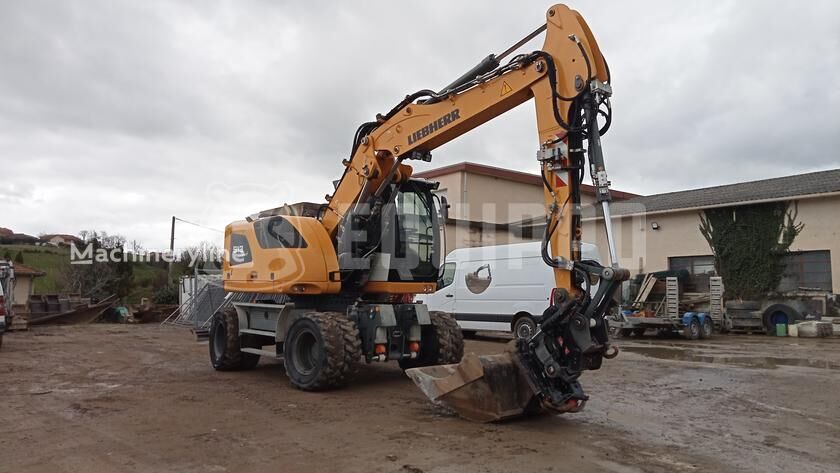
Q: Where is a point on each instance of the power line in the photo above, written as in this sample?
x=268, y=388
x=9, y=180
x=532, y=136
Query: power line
x=199, y=225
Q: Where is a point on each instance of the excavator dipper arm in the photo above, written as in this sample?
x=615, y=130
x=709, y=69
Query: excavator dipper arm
x=568, y=79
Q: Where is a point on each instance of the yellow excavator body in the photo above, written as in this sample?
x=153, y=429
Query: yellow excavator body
x=375, y=243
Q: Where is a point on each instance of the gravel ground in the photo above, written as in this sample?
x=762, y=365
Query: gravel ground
x=144, y=399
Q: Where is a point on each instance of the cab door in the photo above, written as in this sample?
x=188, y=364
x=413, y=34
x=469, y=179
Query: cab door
x=444, y=298
x=447, y=290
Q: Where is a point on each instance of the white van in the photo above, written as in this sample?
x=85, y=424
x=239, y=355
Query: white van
x=497, y=288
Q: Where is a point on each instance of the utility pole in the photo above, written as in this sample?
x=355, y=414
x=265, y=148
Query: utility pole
x=171, y=250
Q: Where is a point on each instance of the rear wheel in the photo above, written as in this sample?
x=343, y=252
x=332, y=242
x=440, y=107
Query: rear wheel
x=707, y=329
x=692, y=330
x=525, y=327
x=639, y=332
x=442, y=343
x=321, y=351
x=224, y=344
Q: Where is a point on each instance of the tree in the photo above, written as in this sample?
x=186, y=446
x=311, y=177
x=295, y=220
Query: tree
x=205, y=255
x=102, y=278
x=7, y=256
x=19, y=257
x=749, y=243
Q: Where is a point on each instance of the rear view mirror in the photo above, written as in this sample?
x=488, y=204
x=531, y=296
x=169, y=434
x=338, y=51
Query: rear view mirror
x=444, y=208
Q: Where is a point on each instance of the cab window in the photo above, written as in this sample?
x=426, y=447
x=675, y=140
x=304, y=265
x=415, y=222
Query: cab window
x=277, y=232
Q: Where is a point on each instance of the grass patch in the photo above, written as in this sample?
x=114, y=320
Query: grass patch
x=52, y=260
x=146, y=278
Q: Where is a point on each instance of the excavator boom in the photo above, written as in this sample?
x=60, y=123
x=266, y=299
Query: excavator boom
x=569, y=82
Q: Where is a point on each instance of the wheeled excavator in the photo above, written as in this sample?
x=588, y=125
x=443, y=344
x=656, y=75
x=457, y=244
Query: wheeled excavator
x=325, y=286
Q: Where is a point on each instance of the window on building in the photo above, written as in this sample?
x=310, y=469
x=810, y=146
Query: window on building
x=811, y=269
x=527, y=232
x=699, y=268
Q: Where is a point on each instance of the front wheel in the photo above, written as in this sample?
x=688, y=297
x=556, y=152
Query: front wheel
x=321, y=351
x=441, y=343
x=225, y=354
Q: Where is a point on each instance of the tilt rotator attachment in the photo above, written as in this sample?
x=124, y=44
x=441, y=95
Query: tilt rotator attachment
x=539, y=374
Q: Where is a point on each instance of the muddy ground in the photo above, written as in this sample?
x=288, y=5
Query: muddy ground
x=143, y=398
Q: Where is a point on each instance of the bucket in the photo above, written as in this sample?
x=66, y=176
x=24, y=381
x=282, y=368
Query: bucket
x=781, y=330
x=793, y=331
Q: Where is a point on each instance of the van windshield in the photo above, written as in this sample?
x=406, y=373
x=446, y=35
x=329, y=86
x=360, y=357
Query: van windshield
x=447, y=275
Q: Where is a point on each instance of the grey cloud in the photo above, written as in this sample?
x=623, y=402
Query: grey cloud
x=118, y=115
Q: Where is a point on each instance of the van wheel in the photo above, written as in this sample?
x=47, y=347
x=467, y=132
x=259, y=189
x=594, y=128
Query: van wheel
x=224, y=344
x=441, y=343
x=524, y=328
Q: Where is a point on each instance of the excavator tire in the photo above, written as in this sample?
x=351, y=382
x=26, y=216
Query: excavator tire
x=224, y=344
x=442, y=343
x=321, y=351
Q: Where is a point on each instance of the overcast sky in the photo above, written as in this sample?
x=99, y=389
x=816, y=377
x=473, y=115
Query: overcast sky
x=116, y=115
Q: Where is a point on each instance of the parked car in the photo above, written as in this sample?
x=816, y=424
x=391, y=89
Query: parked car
x=497, y=288
x=7, y=275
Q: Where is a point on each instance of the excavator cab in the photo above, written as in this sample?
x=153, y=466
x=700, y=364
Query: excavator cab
x=394, y=246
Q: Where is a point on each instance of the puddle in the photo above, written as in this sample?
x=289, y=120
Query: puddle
x=678, y=354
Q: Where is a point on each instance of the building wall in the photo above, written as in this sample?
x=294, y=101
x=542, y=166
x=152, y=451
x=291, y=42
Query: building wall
x=494, y=200
x=821, y=232
x=481, y=206
x=23, y=289
x=642, y=249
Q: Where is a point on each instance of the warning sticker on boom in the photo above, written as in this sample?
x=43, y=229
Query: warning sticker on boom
x=506, y=89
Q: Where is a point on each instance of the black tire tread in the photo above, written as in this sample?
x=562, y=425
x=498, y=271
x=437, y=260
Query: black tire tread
x=687, y=332
x=707, y=323
x=342, y=347
x=449, y=337
x=232, y=359
x=448, y=341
